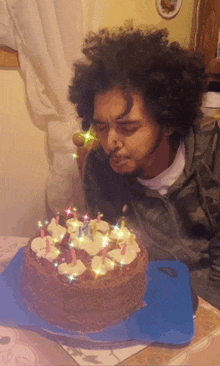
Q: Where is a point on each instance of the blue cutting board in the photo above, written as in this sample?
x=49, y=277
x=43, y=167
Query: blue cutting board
x=167, y=317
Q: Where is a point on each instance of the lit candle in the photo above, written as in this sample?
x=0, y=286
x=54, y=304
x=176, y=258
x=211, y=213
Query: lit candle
x=74, y=213
x=73, y=252
x=47, y=246
x=42, y=233
x=123, y=249
x=104, y=253
x=122, y=223
x=86, y=225
x=98, y=217
x=57, y=219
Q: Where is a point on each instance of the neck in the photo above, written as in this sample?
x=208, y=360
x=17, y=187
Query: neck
x=159, y=160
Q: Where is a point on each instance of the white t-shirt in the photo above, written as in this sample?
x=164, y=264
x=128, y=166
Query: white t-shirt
x=164, y=180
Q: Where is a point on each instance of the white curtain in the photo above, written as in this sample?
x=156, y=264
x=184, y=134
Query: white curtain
x=48, y=35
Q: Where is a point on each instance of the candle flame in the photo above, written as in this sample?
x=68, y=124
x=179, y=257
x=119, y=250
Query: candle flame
x=72, y=277
x=68, y=211
x=97, y=271
x=116, y=228
x=120, y=234
x=105, y=241
x=75, y=156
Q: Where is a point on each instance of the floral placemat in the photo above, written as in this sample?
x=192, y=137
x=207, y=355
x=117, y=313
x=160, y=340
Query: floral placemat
x=204, y=351
x=107, y=357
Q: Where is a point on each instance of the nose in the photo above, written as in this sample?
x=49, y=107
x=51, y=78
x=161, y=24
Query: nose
x=113, y=140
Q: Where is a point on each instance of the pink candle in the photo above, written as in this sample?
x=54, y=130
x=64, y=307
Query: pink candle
x=98, y=217
x=42, y=233
x=57, y=219
x=123, y=249
x=74, y=261
x=74, y=213
x=47, y=246
x=104, y=253
x=122, y=223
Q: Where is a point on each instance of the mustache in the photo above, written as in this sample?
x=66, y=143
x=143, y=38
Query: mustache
x=113, y=155
x=113, y=152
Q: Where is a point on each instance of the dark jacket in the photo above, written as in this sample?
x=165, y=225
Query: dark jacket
x=183, y=224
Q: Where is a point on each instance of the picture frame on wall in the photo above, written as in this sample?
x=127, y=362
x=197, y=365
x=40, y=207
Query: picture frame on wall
x=168, y=9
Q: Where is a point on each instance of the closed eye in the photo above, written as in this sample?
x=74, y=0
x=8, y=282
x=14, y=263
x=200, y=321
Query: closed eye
x=128, y=127
x=100, y=126
x=124, y=127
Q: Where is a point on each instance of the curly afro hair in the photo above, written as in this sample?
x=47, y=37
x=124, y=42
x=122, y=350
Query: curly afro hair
x=171, y=79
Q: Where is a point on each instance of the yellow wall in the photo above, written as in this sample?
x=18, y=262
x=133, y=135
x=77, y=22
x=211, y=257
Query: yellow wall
x=110, y=13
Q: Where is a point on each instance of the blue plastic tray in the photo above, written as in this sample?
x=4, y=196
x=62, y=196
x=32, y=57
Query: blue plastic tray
x=167, y=318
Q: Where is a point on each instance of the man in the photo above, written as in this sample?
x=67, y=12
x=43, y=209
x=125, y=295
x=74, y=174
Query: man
x=158, y=159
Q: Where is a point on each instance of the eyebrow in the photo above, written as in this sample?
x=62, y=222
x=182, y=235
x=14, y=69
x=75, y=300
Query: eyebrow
x=117, y=121
x=128, y=121
x=97, y=121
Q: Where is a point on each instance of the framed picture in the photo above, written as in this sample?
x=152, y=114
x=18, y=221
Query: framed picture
x=168, y=8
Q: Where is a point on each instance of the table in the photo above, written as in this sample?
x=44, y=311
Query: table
x=22, y=347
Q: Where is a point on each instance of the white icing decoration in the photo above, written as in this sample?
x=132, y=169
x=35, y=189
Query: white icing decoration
x=38, y=243
x=102, y=226
x=130, y=244
x=127, y=258
x=51, y=255
x=114, y=234
x=85, y=243
x=101, y=240
x=71, y=269
x=101, y=268
x=73, y=226
x=74, y=237
x=119, y=234
x=57, y=231
x=122, y=236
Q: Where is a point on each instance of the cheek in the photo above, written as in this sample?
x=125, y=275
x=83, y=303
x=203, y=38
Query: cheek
x=102, y=139
x=141, y=144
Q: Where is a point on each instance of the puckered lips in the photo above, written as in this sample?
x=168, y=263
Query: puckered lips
x=117, y=160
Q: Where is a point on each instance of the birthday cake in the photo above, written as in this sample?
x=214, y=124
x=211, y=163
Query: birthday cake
x=84, y=276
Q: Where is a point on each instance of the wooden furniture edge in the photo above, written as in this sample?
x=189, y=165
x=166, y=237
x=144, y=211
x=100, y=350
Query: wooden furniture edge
x=8, y=58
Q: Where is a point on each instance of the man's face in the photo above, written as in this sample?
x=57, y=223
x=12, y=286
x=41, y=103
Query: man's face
x=131, y=141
